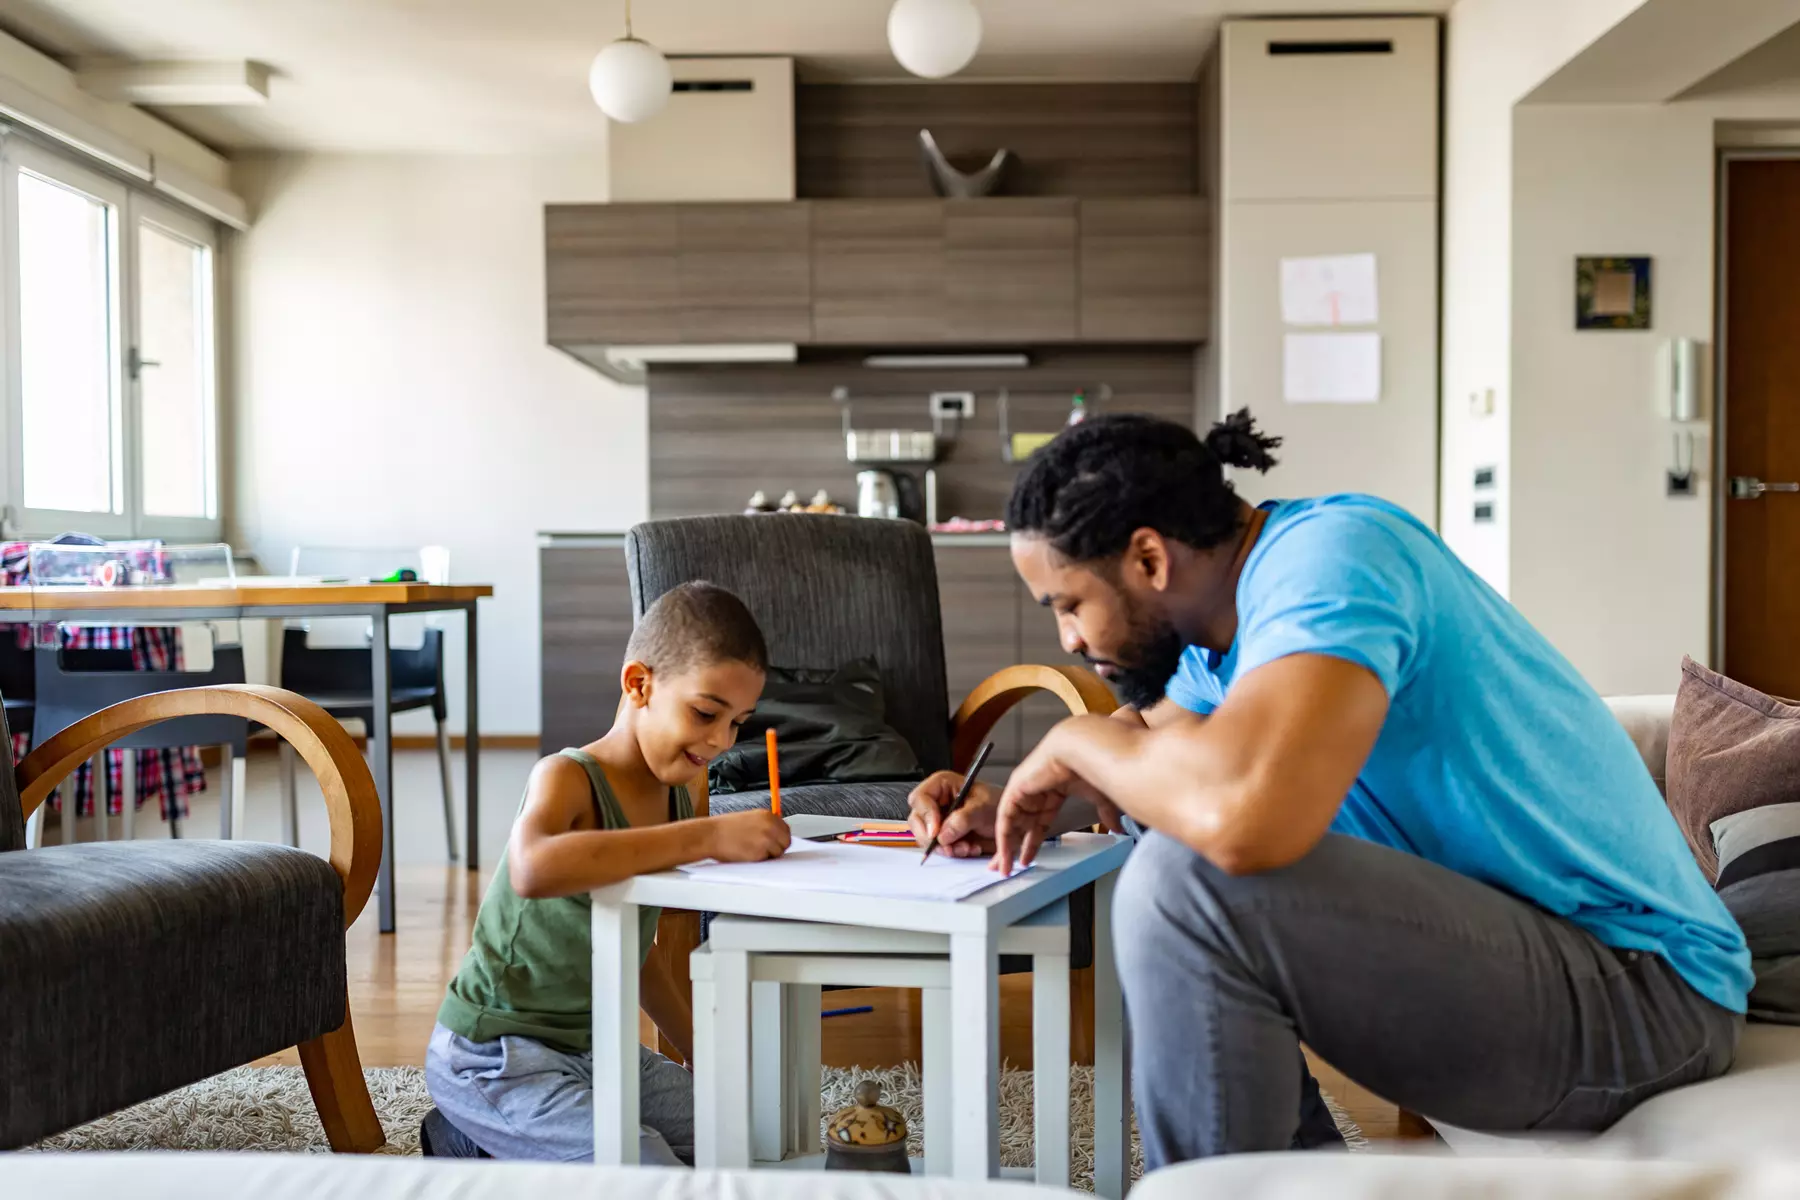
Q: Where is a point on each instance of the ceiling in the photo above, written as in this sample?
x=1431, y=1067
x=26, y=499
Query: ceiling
x=510, y=76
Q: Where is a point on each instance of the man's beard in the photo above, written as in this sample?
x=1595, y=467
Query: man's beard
x=1146, y=662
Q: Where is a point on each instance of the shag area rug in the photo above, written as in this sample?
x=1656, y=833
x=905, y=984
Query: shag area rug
x=269, y=1108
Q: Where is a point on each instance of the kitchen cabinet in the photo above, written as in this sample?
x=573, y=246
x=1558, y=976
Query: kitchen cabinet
x=610, y=271
x=878, y=272
x=1009, y=270
x=997, y=271
x=1039, y=642
x=585, y=623
x=978, y=596
x=744, y=272
x=1144, y=269
x=624, y=274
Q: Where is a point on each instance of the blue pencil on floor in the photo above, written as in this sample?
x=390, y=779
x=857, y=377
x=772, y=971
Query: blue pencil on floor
x=847, y=1012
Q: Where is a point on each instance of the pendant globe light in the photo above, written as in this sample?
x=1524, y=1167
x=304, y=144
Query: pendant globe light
x=934, y=38
x=630, y=79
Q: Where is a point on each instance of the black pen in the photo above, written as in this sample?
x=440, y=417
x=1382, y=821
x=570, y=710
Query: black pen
x=962, y=796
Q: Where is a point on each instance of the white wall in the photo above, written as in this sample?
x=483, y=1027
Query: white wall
x=1612, y=569
x=392, y=386
x=1495, y=52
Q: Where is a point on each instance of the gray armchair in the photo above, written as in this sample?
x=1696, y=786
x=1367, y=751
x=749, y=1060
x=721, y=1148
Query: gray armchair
x=131, y=968
x=827, y=590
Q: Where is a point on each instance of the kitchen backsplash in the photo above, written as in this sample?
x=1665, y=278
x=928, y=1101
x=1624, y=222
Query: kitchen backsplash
x=719, y=433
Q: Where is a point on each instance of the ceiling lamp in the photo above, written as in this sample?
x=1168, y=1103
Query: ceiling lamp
x=934, y=38
x=630, y=79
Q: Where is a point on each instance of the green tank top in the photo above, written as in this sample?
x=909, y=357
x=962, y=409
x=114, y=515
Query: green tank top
x=529, y=971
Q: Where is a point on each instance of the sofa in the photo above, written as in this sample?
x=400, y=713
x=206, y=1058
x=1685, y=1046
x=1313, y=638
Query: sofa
x=1751, y=1110
x=1241, y=1177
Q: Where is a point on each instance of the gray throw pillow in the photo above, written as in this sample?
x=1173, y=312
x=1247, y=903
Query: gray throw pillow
x=1767, y=908
x=1743, y=831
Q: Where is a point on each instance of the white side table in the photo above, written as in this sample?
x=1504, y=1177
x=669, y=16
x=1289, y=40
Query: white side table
x=972, y=925
x=765, y=1028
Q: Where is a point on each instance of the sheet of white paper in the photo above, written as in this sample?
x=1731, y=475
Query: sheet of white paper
x=1331, y=368
x=1337, y=289
x=858, y=871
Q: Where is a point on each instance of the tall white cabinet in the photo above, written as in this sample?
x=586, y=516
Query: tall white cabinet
x=1329, y=145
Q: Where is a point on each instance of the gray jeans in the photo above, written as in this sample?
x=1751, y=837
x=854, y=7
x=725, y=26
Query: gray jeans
x=1444, y=995
x=519, y=1098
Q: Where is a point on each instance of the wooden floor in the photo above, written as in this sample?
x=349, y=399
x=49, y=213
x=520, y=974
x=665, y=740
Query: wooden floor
x=396, y=983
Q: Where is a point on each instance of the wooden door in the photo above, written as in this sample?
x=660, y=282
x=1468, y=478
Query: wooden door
x=745, y=272
x=1010, y=270
x=610, y=274
x=1762, y=425
x=976, y=590
x=1144, y=274
x=878, y=272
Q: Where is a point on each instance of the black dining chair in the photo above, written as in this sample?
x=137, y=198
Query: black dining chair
x=340, y=680
x=74, y=683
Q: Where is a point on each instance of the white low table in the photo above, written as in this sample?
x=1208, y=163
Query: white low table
x=764, y=1028
x=972, y=925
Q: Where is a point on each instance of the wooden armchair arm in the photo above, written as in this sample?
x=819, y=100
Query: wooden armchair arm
x=343, y=776
x=1079, y=688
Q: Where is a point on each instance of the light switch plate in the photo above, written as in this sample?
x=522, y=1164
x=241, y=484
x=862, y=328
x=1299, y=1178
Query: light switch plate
x=953, y=404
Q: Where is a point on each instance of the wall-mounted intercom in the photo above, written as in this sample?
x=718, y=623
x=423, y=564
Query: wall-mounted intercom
x=1678, y=380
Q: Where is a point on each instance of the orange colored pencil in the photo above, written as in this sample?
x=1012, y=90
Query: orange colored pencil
x=774, y=775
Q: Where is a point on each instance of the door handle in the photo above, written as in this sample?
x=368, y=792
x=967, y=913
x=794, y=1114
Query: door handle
x=1749, y=487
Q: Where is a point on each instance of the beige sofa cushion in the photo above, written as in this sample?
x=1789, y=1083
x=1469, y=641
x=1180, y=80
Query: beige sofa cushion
x=1426, y=1176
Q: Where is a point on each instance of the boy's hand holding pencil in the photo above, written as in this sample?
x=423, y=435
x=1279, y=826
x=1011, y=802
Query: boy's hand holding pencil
x=746, y=836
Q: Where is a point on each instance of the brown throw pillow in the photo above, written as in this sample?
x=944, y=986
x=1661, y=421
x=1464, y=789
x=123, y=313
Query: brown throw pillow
x=1731, y=748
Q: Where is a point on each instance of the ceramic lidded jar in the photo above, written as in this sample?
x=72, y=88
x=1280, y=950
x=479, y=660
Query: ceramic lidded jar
x=867, y=1136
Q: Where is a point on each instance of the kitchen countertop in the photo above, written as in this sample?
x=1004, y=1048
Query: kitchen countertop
x=608, y=540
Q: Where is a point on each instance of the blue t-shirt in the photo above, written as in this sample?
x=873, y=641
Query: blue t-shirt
x=1496, y=759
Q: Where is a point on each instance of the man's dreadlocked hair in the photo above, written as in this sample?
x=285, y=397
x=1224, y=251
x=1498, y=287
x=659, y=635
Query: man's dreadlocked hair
x=1100, y=481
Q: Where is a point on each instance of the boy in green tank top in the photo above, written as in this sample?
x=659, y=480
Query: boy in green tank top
x=510, y=1064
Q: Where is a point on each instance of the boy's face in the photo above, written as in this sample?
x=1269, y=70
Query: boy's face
x=686, y=720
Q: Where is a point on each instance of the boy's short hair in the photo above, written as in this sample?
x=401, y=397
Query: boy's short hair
x=697, y=624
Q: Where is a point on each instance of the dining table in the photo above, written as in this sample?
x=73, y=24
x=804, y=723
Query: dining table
x=243, y=599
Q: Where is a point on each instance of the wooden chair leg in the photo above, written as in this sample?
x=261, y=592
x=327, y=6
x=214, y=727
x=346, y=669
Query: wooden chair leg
x=334, y=1074
x=1412, y=1125
x=1081, y=1016
x=677, y=936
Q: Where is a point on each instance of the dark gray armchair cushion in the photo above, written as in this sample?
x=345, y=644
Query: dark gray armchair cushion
x=129, y=969
x=826, y=590
x=867, y=801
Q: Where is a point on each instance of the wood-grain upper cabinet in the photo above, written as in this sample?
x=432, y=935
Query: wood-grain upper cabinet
x=744, y=272
x=1009, y=267
x=878, y=272
x=619, y=274
x=611, y=273
x=1144, y=270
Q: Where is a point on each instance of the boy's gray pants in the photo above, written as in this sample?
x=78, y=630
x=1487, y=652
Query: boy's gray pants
x=519, y=1098
x=1444, y=995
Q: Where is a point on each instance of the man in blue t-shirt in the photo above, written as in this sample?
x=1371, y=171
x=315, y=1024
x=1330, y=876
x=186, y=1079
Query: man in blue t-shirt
x=1387, y=818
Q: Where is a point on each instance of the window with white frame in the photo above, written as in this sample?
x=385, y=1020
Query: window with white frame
x=111, y=355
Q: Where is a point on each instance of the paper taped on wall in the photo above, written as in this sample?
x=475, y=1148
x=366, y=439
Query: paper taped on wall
x=1331, y=368
x=1334, y=289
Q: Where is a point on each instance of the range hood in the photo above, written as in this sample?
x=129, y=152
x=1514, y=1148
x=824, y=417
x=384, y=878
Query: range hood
x=630, y=364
